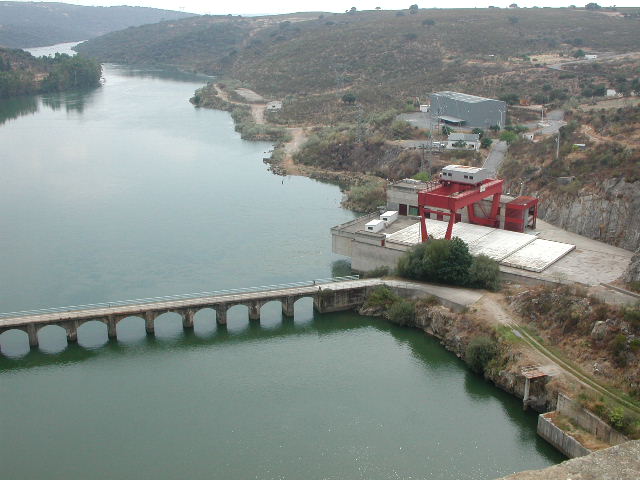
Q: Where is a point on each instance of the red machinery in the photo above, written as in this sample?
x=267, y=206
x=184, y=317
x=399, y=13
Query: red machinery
x=461, y=186
x=449, y=196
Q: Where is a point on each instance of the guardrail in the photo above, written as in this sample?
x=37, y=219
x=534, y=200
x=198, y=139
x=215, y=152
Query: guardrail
x=185, y=296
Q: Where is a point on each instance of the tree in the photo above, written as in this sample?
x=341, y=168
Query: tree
x=446, y=130
x=513, y=5
x=579, y=53
x=508, y=136
x=494, y=128
x=592, y=6
x=442, y=261
x=352, y=10
x=413, y=9
x=480, y=351
x=349, y=98
x=478, y=131
x=486, y=142
x=510, y=98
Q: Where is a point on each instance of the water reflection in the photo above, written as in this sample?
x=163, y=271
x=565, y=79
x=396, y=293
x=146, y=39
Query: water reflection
x=13, y=108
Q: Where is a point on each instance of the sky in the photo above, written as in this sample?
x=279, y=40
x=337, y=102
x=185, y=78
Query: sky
x=254, y=7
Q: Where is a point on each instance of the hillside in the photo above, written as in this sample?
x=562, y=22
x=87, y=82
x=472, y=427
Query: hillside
x=384, y=57
x=33, y=24
x=22, y=74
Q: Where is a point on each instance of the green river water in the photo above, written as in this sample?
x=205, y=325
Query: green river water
x=127, y=191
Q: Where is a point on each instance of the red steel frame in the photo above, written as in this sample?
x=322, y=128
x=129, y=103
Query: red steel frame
x=453, y=196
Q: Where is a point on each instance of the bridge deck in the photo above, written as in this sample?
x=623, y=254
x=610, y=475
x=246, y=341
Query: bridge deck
x=73, y=313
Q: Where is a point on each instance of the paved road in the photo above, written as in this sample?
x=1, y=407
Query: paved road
x=553, y=121
x=496, y=157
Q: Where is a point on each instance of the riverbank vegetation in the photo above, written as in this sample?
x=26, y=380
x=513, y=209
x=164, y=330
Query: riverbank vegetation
x=23, y=74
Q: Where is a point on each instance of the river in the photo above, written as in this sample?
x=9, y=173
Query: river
x=127, y=191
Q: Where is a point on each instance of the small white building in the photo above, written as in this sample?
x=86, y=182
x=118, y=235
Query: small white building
x=464, y=174
x=374, y=226
x=463, y=141
x=611, y=92
x=590, y=56
x=274, y=105
x=389, y=217
x=424, y=108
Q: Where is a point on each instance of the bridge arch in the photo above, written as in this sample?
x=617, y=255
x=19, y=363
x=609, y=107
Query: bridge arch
x=168, y=325
x=91, y=333
x=14, y=342
x=52, y=338
x=204, y=321
x=130, y=329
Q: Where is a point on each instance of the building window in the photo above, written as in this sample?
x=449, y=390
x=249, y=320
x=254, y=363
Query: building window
x=466, y=176
x=413, y=210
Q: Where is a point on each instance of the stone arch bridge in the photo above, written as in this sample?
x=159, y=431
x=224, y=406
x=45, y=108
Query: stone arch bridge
x=337, y=294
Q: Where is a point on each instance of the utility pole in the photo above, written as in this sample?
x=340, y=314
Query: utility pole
x=558, y=146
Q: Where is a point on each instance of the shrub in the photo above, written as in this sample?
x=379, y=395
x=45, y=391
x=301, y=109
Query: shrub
x=422, y=176
x=484, y=273
x=381, y=296
x=480, y=351
x=365, y=198
x=402, y=312
x=486, y=142
x=377, y=272
x=442, y=261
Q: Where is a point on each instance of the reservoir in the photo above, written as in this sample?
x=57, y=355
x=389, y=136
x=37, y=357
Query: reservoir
x=127, y=191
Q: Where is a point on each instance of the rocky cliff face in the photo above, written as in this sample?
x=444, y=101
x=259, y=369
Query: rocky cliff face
x=609, y=213
x=633, y=271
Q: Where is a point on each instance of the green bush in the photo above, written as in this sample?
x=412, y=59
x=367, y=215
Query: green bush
x=480, y=351
x=402, y=312
x=381, y=296
x=422, y=176
x=442, y=261
x=377, y=272
x=484, y=273
x=365, y=198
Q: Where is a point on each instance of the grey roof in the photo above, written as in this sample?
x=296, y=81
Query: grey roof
x=465, y=137
x=449, y=118
x=463, y=97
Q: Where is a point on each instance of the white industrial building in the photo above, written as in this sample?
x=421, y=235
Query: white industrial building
x=463, y=141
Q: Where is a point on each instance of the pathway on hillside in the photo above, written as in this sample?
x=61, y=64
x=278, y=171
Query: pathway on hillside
x=298, y=134
x=490, y=304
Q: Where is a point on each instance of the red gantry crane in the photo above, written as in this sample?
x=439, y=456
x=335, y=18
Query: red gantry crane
x=461, y=186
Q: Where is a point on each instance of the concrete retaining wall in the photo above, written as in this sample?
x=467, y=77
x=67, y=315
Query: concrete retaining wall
x=368, y=257
x=559, y=439
x=588, y=421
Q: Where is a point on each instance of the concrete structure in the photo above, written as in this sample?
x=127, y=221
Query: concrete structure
x=331, y=295
x=621, y=462
x=471, y=141
x=370, y=250
x=402, y=196
x=462, y=109
x=560, y=439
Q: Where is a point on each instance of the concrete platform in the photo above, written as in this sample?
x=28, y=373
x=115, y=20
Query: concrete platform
x=538, y=255
x=499, y=244
x=496, y=244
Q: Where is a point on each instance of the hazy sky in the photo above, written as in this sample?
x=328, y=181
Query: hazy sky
x=288, y=6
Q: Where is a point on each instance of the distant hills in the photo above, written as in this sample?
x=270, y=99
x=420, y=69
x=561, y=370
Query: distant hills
x=34, y=24
x=380, y=56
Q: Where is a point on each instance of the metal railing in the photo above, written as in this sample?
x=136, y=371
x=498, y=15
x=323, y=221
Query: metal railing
x=185, y=296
